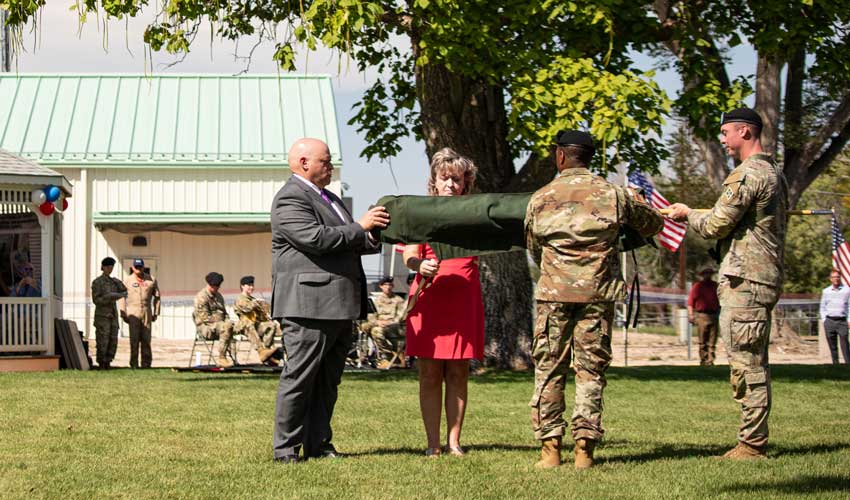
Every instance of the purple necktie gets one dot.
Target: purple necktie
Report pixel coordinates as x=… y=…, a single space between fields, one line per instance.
x=331 y=203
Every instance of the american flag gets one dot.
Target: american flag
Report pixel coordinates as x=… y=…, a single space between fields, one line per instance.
x=840 y=253
x=674 y=232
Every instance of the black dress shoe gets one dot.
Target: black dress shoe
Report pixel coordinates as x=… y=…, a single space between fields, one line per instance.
x=288 y=459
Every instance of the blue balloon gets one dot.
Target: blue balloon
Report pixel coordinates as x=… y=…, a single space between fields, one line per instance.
x=52 y=193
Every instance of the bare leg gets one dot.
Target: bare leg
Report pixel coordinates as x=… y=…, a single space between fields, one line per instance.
x=430 y=397
x=457 y=379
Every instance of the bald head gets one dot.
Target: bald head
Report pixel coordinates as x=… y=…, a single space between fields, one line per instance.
x=311 y=159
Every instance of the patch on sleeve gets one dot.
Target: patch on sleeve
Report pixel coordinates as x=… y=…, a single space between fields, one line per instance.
x=733 y=183
x=637 y=194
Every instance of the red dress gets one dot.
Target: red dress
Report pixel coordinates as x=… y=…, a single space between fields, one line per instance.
x=448 y=319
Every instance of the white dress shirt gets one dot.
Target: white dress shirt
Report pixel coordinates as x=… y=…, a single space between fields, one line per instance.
x=319 y=192
x=835 y=302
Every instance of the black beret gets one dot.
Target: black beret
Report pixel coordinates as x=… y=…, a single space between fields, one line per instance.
x=385 y=279
x=246 y=280
x=214 y=279
x=742 y=115
x=575 y=138
x=109 y=261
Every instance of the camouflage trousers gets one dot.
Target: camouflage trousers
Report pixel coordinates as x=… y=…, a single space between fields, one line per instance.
x=261 y=334
x=387 y=339
x=745 y=314
x=707 y=334
x=583 y=332
x=106 y=332
x=221 y=331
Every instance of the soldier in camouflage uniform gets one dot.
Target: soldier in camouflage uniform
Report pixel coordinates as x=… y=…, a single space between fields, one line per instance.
x=105 y=292
x=749 y=222
x=254 y=320
x=572 y=227
x=384 y=325
x=211 y=317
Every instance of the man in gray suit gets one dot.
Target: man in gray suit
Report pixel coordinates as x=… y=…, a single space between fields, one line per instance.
x=318 y=288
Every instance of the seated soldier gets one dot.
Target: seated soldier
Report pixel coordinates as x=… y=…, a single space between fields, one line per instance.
x=385 y=325
x=254 y=321
x=211 y=318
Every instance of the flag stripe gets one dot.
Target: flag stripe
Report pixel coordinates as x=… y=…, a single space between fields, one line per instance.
x=674 y=232
x=840 y=253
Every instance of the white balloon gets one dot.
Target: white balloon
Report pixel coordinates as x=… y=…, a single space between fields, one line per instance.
x=58 y=205
x=38 y=197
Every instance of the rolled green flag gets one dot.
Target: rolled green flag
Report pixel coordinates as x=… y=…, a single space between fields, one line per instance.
x=469 y=225
x=457 y=226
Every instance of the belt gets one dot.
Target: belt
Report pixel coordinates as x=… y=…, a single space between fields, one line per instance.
x=837 y=318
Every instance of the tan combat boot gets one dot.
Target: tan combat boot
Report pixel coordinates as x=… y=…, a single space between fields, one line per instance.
x=223 y=362
x=584 y=453
x=265 y=354
x=743 y=451
x=550 y=453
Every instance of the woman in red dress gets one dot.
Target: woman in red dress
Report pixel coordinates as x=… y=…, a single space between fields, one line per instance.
x=445 y=329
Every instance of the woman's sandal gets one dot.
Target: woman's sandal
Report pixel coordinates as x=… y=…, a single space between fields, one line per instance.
x=433 y=452
x=455 y=451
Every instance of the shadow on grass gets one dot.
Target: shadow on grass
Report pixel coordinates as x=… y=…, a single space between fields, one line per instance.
x=686 y=450
x=483 y=447
x=783 y=373
x=798 y=485
x=665 y=452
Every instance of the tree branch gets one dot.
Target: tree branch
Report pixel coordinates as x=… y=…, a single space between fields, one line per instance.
x=533 y=175
x=838 y=121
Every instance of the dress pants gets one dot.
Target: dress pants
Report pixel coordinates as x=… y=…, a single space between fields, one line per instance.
x=140 y=339
x=836 y=335
x=316 y=351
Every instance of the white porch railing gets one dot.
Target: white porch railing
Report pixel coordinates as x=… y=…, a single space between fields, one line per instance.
x=23 y=324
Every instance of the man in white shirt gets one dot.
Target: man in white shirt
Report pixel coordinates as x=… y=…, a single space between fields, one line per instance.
x=834 y=312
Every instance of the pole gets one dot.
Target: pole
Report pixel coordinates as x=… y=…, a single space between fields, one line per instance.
x=624 y=266
x=5 y=44
x=392 y=262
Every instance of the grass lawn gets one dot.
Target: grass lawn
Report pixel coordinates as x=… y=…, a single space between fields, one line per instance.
x=155 y=433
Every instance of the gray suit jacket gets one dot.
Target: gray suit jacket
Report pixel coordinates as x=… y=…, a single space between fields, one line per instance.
x=316 y=268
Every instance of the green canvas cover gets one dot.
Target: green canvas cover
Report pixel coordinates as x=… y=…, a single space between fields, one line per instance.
x=465 y=226
x=458 y=226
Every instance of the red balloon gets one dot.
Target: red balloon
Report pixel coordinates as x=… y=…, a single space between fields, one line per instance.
x=47 y=208
x=64 y=204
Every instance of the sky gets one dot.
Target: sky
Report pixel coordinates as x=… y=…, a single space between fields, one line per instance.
x=62 y=47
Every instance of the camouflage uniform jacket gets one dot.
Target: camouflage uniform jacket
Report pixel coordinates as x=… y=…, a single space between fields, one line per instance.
x=749 y=220
x=209 y=308
x=250 y=310
x=101 y=287
x=571 y=229
x=389 y=308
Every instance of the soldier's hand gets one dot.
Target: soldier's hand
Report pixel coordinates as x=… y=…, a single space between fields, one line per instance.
x=375 y=217
x=678 y=212
x=429 y=267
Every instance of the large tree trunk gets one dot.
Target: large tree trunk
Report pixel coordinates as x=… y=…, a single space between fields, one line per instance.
x=469 y=117
x=767 y=100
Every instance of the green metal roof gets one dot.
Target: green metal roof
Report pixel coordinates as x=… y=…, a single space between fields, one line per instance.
x=140 y=121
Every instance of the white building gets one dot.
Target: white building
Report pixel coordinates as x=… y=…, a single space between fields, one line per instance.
x=178 y=170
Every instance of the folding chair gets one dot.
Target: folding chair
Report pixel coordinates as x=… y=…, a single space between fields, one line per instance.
x=205 y=346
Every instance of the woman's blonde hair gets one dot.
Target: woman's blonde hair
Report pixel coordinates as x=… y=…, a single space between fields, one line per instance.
x=448 y=160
